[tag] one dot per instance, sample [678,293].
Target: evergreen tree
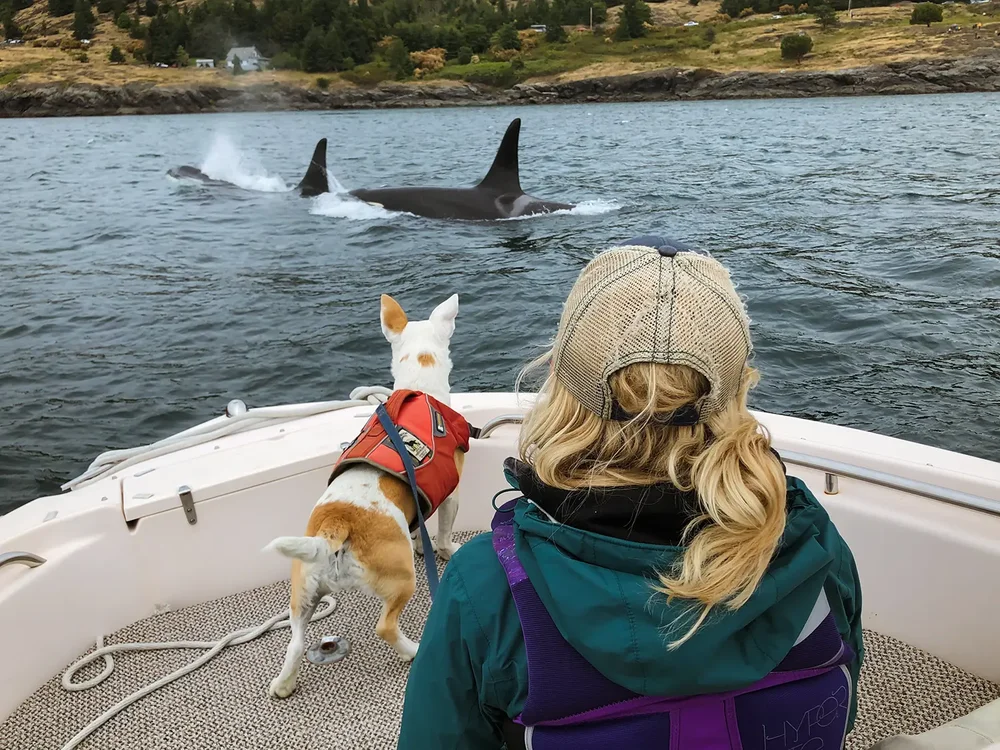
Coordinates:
[399,60]
[83,20]
[10,28]
[554,31]
[116,56]
[826,16]
[124,21]
[60,7]
[634,15]
[314,51]
[182,58]
[237,65]
[507,37]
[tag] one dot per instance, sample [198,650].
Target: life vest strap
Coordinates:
[430,566]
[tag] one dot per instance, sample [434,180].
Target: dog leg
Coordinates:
[391,576]
[418,543]
[446,522]
[388,624]
[303,605]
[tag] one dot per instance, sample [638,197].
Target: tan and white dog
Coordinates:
[358,533]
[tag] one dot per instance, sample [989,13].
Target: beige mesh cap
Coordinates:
[639,304]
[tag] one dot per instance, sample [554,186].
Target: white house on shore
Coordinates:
[250,58]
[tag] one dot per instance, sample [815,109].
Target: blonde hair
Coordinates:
[726,460]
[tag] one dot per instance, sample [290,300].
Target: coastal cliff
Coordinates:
[967,74]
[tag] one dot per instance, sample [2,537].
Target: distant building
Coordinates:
[539,28]
[202,63]
[250,58]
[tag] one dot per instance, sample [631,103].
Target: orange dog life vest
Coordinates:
[432,433]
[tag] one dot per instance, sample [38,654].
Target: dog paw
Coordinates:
[280,688]
[447,550]
[406,649]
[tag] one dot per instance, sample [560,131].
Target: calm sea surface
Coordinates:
[865,234]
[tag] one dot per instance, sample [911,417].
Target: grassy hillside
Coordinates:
[872,35]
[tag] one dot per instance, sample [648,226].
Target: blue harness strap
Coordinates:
[430,566]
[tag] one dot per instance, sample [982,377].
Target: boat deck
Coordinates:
[356,704]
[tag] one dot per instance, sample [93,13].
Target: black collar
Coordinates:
[651,514]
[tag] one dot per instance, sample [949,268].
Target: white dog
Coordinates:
[358,535]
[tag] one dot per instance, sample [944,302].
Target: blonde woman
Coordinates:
[660,582]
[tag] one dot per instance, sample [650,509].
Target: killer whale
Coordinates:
[314,183]
[497,196]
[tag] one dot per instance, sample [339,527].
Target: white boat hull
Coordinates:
[122,549]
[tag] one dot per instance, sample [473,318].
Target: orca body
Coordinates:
[498,196]
[314,183]
[193,173]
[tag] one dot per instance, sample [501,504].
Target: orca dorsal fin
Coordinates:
[315,182]
[503,175]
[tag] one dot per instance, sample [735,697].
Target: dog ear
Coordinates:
[443,317]
[393,318]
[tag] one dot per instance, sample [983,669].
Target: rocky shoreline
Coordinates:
[968,74]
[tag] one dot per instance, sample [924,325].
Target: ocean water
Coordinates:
[865,234]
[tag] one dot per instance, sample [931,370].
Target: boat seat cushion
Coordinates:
[980,730]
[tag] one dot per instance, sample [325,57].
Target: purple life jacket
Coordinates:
[802,705]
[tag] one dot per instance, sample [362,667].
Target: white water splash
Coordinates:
[226,161]
[584,208]
[594,208]
[339,205]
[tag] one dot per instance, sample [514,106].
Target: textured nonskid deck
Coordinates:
[357,703]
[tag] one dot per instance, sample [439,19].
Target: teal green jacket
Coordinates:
[471,672]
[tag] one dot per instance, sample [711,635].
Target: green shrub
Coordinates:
[124,21]
[182,57]
[116,56]
[369,74]
[496,74]
[322,83]
[82,57]
[554,31]
[285,61]
[464,55]
[927,13]
[796,46]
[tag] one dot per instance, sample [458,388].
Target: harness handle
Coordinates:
[430,567]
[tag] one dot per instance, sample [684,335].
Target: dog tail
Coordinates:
[311,549]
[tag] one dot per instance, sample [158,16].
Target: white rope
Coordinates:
[104,652]
[213,429]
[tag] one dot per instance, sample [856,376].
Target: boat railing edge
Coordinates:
[834,469]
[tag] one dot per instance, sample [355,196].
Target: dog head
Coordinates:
[421,359]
